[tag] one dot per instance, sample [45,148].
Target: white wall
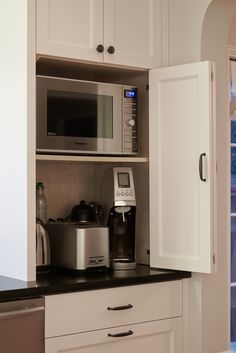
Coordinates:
[232,32]
[16,138]
[198,30]
[185,18]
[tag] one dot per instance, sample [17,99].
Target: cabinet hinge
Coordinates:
[214,259]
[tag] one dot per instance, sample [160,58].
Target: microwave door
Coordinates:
[78,116]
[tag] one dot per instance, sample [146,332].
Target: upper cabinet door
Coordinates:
[182,167]
[70,28]
[121,32]
[133,29]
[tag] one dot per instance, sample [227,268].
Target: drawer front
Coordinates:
[163,336]
[96,309]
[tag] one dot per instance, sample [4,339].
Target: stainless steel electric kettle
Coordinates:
[42,245]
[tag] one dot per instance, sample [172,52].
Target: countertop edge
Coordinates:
[44,287]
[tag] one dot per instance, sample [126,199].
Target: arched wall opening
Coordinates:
[217,28]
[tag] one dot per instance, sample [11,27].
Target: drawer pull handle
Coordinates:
[121,334]
[123,307]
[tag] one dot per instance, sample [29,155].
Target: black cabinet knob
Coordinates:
[111,49]
[100,48]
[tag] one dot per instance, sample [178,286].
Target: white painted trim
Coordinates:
[165,33]
[86,159]
[31,141]
[186,314]
[231,53]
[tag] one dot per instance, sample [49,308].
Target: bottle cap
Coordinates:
[39,185]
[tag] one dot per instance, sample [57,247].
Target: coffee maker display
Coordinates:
[121,221]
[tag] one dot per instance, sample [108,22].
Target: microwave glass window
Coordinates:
[79,114]
[123,180]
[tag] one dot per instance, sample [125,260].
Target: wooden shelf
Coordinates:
[87,159]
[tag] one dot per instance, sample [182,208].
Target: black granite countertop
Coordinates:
[65,281]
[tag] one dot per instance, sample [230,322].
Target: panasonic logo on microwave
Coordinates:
[81,143]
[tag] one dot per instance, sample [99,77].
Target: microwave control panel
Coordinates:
[124,193]
[130,119]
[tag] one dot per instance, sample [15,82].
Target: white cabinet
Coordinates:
[182,212]
[70,28]
[182,167]
[133,28]
[164,336]
[123,32]
[141,317]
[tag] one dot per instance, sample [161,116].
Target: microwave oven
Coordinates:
[85,117]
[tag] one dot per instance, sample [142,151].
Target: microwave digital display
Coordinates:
[130,93]
[79,114]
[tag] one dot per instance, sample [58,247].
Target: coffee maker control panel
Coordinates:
[124,193]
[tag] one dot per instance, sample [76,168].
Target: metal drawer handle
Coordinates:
[123,307]
[201,166]
[121,334]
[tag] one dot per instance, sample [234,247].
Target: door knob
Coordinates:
[111,49]
[100,48]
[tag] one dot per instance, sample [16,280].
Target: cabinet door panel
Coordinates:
[70,28]
[163,336]
[133,27]
[182,206]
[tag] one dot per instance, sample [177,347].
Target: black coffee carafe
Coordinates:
[121,223]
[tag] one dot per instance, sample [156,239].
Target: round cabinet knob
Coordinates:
[111,49]
[131,122]
[100,48]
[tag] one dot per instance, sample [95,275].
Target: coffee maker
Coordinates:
[121,221]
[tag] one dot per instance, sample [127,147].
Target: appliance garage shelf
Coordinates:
[105,159]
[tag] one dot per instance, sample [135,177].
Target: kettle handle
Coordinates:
[46,247]
[43,245]
[38,244]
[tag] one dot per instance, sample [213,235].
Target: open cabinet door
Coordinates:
[182,167]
